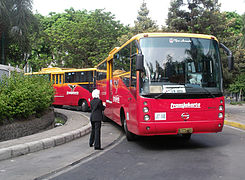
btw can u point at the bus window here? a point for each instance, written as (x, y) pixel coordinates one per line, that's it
(133, 50)
(121, 65)
(53, 78)
(70, 77)
(89, 76)
(57, 79)
(61, 79)
(101, 72)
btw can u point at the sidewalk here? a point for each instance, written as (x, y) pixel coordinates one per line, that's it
(77, 125)
(235, 116)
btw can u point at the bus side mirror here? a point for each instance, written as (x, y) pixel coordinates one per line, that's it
(229, 56)
(230, 63)
(140, 62)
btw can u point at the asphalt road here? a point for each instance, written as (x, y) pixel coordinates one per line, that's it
(204, 157)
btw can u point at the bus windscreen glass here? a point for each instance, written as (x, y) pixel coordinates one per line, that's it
(180, 66)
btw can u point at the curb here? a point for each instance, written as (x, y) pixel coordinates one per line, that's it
(22, 149)
(235, 124)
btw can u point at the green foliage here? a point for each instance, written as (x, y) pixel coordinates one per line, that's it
(75, 38)
(204, 16)
(196, 16)
(144, 23)
(238, 86)
(17, 23)
(22, 96)
(243, 32)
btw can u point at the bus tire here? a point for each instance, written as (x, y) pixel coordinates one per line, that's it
(130, 136)
(84, 106)
(58, 106)
(105, 118)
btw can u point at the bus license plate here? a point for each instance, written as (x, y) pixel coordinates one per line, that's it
(185, 130)
(160, 116)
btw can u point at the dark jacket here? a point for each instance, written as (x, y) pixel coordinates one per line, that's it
(96, 110)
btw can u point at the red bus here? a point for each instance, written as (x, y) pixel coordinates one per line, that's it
(73, 87)
(164, 84)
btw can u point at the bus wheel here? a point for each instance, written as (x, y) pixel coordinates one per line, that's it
(84, 106)
(58, 106)
(130, 136)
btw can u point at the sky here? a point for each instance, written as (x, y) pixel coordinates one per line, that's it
(125, 11)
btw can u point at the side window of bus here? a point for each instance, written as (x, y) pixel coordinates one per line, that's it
(60, 78)
(57, 79)
(84, 76)
(80, 76)
(70, 77)
(101, 71)
(133, 50)
(121, 65)
(89, 75)
(53, 78)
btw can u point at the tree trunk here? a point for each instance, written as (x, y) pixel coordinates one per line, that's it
(240, 96)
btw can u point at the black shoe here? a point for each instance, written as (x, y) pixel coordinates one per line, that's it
(98, 149)
(91, 145)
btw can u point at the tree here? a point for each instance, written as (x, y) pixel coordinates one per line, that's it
(243, 32)
(16, 22)
(196, 16)
(76, 39)
(238, 86)
(144, 23)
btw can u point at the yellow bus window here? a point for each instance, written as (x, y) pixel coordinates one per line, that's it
(57, 79)
(53, 78)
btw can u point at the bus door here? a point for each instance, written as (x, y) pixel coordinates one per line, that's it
(131, 114)
(58, 80)
(109, 93)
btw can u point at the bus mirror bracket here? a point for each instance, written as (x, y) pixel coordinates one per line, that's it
(229, 56)
(140, 62)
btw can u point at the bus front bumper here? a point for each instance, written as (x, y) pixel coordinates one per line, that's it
(174, 128)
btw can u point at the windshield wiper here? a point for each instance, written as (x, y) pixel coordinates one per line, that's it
(159, 95)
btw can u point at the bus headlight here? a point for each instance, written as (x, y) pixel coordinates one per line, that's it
(145, 110)
(221, 108)
(221, 101)
(220, 115)
(146, 117)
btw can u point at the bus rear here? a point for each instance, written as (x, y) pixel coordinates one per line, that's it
(74, 87)
(174, 85)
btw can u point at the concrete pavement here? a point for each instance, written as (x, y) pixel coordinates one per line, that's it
(235, 116)
(77, 126)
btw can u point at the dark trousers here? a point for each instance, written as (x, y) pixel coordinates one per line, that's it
(95, 134)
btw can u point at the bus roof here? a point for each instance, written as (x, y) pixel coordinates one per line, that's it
(59, 70)
(143, 35)
(54, 69)
(78, 70)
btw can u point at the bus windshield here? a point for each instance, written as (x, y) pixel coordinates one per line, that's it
(180, 66)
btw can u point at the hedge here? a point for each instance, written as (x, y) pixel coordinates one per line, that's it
(23, 96)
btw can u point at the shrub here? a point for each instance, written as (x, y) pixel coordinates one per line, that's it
(22, 96)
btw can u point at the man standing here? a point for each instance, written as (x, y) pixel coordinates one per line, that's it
(96, 118)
